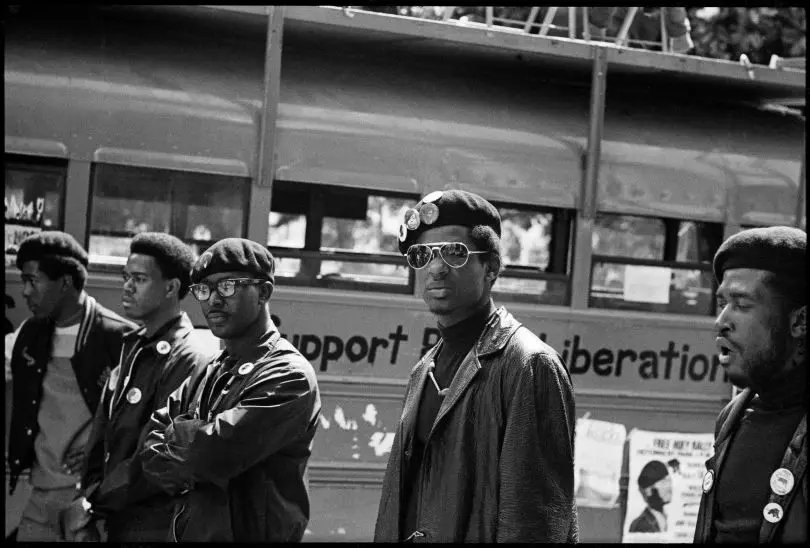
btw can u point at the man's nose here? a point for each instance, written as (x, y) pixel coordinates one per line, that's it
(27, 289)
(721, 322)
(436, 263)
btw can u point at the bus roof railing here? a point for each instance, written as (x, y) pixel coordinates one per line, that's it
(783, 81)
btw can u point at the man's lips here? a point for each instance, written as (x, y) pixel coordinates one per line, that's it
(216, 316)
(725, 347)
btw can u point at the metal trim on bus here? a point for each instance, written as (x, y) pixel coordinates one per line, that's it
(177, 162)
(35, 147)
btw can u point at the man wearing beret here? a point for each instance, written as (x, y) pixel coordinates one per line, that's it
(60, 360)
(655, 485)
(484, 450)
(154, 361)
(755, 485)
(231, 445)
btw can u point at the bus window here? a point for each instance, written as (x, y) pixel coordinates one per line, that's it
(534, 249)
(337, 237)
(199, 208)
(654, 265)
(35, 192)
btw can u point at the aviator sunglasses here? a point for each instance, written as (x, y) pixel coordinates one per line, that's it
(454, 254)
(224, 288)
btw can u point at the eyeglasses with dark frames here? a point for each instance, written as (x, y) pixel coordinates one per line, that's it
(224, 288)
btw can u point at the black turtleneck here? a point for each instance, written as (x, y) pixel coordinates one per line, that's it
(756, 450)
(456, 342)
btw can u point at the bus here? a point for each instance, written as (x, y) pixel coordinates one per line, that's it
(617, 173)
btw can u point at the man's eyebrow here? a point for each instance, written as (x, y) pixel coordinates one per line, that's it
(736, 294)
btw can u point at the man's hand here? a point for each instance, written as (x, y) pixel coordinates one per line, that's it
(75, 518)
(72, 463)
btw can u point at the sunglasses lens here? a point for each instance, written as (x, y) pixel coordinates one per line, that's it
(455, 254)
(419, 255)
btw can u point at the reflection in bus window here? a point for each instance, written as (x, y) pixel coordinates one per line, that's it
(535, 246)
(199, 208)
(628, 236)
(338, 237)
(34, 197)
(653, 265)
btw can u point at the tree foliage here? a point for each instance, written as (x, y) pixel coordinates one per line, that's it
(718, 32)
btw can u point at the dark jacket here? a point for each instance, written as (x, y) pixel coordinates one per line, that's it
(98, 346)
(113, 481)
(792, 528)
(645, 523)
(498, 465)
(232, 447)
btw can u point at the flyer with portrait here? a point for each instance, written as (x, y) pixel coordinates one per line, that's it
(598, 456)
(664, 485)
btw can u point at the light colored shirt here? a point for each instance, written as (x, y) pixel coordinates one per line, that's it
(64, 418)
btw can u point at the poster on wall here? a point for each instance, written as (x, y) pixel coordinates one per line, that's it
(598, 455)
(664, 485)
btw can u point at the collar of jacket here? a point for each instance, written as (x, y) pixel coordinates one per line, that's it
(496, 334)
(168, 331)
(88, 319)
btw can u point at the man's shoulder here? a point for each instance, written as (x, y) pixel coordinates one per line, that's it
(284, 354)
(107, 320)
(532, 346)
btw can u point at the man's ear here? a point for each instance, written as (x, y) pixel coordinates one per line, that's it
(493, 267)
(798, 323)
(265, 291)
(173, 288)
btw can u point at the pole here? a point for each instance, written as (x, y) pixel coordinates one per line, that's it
(265, 155)
(583, 260)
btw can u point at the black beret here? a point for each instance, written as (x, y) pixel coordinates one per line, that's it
(447, 207)
(653, 471)
(777, 249)
(51, 244)
(173, 256)
(236, 254)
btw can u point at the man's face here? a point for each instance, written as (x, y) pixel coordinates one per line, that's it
(231, 317)
(452, 293)
(42, 295)
(659, 493)
(145, 288)
(752, 328)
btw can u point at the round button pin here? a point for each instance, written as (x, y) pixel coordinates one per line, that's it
(245, 368)
(134, 395)
(412, 219)
(429, 213)
(163, 347)
(432, 197)
(708, 481)
(772, 512)
(782, 481)
(403, 233)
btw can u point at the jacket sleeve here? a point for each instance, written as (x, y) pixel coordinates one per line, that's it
(160, 463)
(536, 496)
(124, 485)
(93, 466)
(278, 406)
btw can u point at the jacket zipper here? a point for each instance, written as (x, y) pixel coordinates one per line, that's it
(174, 522)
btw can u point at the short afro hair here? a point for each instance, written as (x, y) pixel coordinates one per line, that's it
(486, 239)
(173, 257)
(58, 254)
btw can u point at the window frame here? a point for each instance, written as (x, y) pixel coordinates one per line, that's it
(313, 239)
(560, 255)
(95, 266)
(51, 164)
(671, 232)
